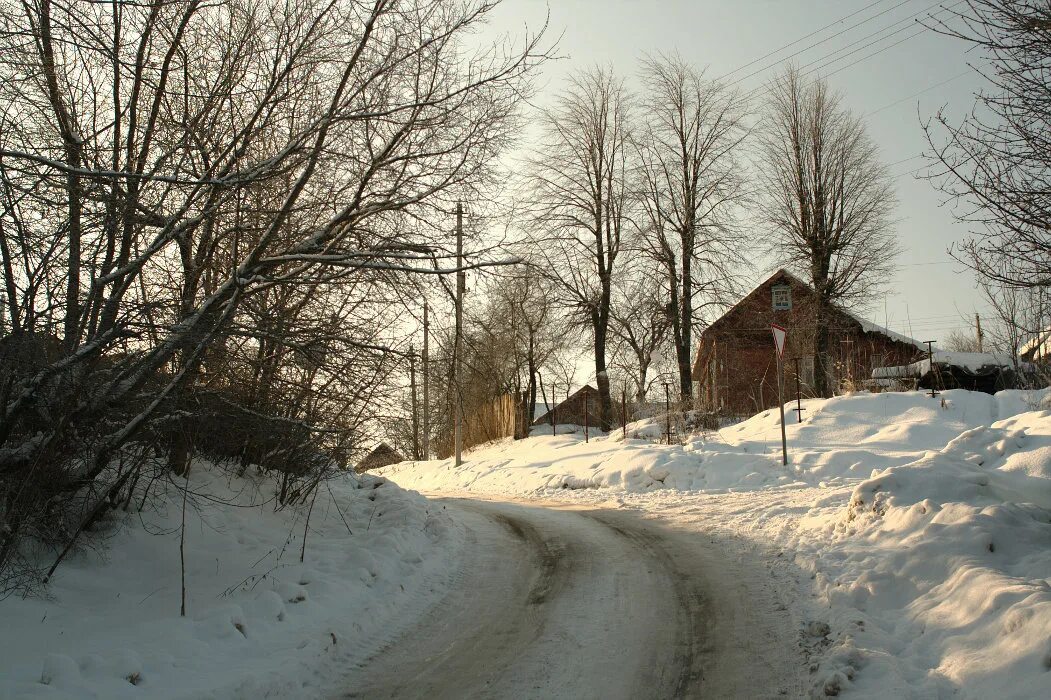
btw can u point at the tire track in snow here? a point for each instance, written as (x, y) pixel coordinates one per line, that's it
(555, 602)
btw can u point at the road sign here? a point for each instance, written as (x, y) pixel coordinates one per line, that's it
(780, 336)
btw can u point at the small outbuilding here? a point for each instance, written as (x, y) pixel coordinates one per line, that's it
(977, 371)
(1037, 350)
(580, 408)
(380, 456)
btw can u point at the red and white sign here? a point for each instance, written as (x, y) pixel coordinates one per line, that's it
(780, 336)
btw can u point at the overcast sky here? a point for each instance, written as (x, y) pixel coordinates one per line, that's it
(929, 294)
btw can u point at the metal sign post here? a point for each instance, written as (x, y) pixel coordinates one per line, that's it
(780, 336)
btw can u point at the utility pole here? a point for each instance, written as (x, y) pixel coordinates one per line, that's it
(458, 342)
(415, 410)
(930, 360)
(426, 387)
(978, 330)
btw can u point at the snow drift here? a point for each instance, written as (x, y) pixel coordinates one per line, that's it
(924, 524)
(258, 621)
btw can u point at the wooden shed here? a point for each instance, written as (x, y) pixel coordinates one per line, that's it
(380, 456)
(580, 408)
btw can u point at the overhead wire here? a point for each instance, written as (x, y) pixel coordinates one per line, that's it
(804, 38)
(837, 55)
(917, 94)
(825, 40)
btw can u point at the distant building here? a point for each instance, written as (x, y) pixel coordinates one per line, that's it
(976, 371)
(1037, 350)
(380, 456)
(580, 408)
(735, 369)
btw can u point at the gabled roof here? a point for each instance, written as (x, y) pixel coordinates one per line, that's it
(587, 388)
(1037, 347)
(755, 290)
(866, 325)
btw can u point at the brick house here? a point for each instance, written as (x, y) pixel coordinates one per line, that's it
(735, 369)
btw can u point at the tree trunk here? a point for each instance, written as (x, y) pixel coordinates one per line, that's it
(73, 147)
(684, 337)
(602, 378)
(821, 341)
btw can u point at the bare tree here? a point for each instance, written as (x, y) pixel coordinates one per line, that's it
(580, 195)
(828, 199)
(995, 164)
(961, 341)
(691, 180)
(640, 324)
(204, 204)
(1021, 315)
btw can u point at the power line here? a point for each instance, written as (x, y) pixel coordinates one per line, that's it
(837, 34)
(904, 160)
(925, 90)
(765, 89)
(804, 38)
(885, 48)
(905, 22)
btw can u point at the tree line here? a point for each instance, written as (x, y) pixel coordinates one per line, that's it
(642, 208)
(210, 213)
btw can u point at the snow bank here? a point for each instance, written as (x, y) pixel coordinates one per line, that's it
(840, 440)
(921, 527)
(258, 621)
(937, 572)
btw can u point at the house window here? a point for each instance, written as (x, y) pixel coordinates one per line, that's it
(782, 295)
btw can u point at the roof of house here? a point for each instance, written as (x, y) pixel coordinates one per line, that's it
(543, 416)
(1038, 346)
(866, 325)
(973, 362)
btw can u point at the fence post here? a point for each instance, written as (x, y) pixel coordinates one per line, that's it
(586, 396)
(667, 414)
(624, 411)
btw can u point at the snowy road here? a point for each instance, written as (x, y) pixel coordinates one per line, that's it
(576, 603)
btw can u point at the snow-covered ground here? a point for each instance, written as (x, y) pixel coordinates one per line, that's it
(909, 538)
(918, 530)
(259, 623)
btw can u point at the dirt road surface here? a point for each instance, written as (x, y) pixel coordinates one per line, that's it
(556, 602)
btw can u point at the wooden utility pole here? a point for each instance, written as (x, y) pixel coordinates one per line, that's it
(415, 409)
(930, 360)
(458, 342)
(426, 387)
(978, 330)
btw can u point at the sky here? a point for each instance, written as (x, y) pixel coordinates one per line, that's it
(888, 68)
